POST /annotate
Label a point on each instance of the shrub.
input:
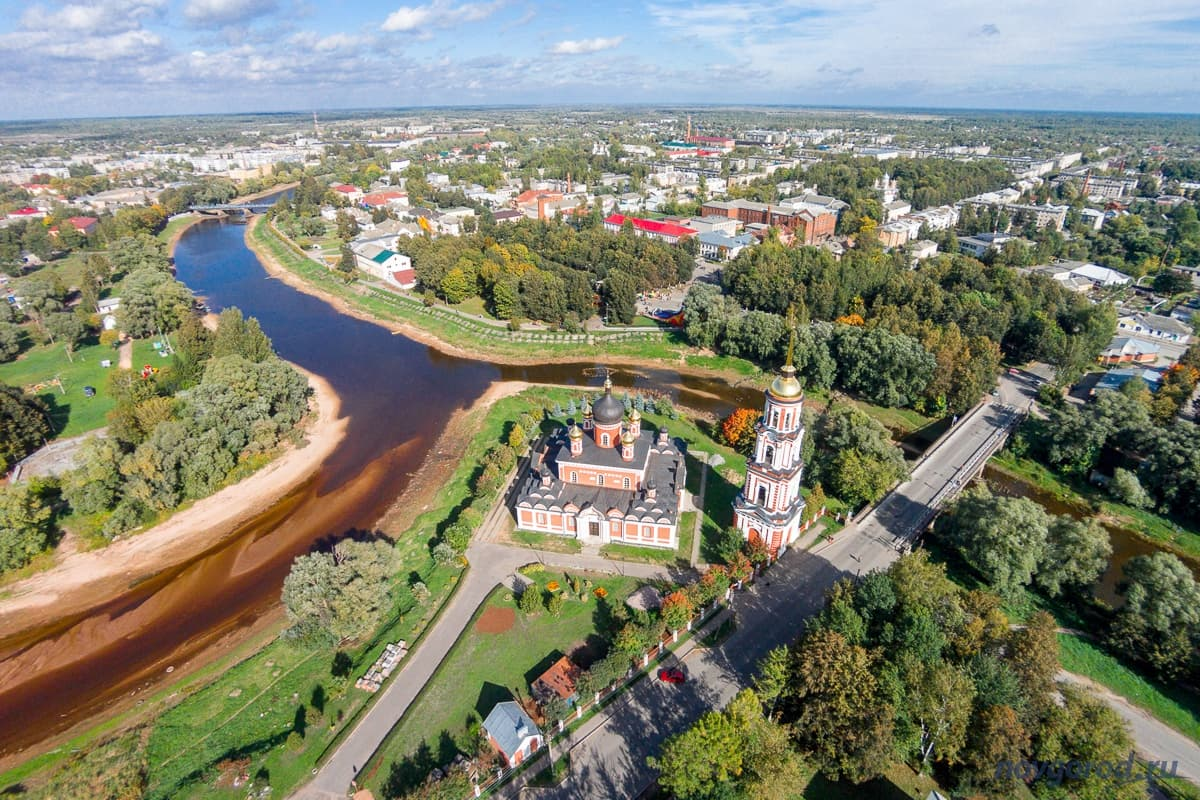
(531, 599)
(555, 603)
(532, 569)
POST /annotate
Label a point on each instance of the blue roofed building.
(720, 247)
(512, 732)
(1114, 379)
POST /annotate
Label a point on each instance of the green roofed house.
(385, 264)
(511, 731)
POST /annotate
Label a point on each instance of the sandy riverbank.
(83, 580)
(419, 334)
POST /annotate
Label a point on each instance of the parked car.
(671, 675)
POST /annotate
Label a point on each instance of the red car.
(671, 675)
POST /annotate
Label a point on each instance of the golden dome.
(575, 433)
(587, 408)
(627, 437)
(634, 416)
(786, 387)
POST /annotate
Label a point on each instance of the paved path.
(491, 565)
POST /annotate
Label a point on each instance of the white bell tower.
(770, 507)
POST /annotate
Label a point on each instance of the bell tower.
(770, 507)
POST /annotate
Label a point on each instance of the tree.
(1033, 656)
(939, 699)
(1170, 282)
(1077, 553)
(997, 737)
(516, 437)
(1002, 538)
(457, 286)
(26, 525)
(237, 335)
(66, 329)
(677, 610)
(700, 762)
(347, 226)
(12, 339)
(1126, 488)
(554, 603)
(94, 484)
(458, 536)
(737, 429)
(340, 594)
(152, 301)
(1085, 729)
(772, 675)
(875, 463)
(24, 425)
(841, 717)
(888, 369)
(1160, 622)
(530, 601)
(619, 293)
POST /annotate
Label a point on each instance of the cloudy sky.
(124, 57)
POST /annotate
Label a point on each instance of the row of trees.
(1121, 429)
(902, 666)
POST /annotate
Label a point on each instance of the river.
(398, 395)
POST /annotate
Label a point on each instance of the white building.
(769, 509)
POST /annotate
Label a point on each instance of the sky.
(136, 57)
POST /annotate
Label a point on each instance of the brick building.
(607, 480)
(809, 226)
(667, 232)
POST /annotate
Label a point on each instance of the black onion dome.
(608, 410)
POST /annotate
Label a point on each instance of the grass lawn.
(1178, 534)
(483, 669)
(71, 413)
(681, 555)
(173, 226)
(1172, 705)
(473, 306)
(547, 541)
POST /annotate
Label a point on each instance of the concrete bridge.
(259, 207)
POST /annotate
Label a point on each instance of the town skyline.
(169, 57)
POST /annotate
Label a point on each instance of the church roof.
(608, 410)
(664, 469)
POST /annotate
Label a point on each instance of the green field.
(483, 669)
(71, 413)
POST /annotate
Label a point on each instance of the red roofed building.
(667, 232)
(351, 193)
(27, 213)
(384, 198)
(85, 225)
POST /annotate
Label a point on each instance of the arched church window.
(770, 454)
(599, 480)
(774, 419)
(625, 483)
(574, 477)
(762, 495)
(604, 440)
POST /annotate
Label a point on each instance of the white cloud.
(576, 47)
(438, 14)
(218, 13)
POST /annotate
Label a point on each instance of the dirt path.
(82, 580)
(125, 355)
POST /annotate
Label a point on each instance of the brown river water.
(398, 395)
